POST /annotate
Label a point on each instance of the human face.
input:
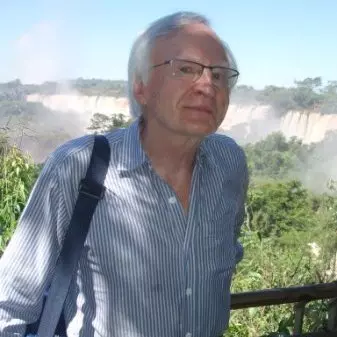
(178, 104)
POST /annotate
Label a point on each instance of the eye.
(187, 69)
(219, 75)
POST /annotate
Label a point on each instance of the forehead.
(196, 42)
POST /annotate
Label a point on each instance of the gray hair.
(139, 60)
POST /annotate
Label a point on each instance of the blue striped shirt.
(148, 269)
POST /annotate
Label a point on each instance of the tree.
(278, 97)
(310, 83)
(276, 207)
(103, 123)
(17, 175)
(278, 158)
(329, 103)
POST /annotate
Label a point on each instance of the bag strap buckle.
(91, 189)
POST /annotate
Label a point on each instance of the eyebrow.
(223, 63)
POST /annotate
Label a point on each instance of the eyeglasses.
(222, 77)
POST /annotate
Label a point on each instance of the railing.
(300, 296)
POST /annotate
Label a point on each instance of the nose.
(206, 76)
(205, 83)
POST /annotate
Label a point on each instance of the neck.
(169, 153)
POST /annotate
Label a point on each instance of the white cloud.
(42, 54)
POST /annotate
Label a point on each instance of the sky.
(275, 42)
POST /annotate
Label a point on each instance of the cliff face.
(84, 106)
(311, 127)
(245, 122)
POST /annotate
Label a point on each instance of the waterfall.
(309, 126)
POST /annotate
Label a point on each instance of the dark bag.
(91, 190)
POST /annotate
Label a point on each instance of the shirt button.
(188, 291)
(172, 200)
(188, 334)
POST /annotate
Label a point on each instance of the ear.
(139, 91)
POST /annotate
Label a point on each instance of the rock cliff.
(244, 122)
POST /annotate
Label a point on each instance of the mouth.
(201, 108)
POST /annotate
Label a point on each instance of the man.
(162, 246)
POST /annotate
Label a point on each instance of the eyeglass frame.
(203, 66)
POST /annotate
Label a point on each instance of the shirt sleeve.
(240, 217)
(30, 257)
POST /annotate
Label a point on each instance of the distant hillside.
(40, 117)
(15, 90)
(309, 94)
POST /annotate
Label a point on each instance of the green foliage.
(284, 219)
(276, 207)
(91, 87)
(274, 263)
(329, 104)
(243, 94)
(12, 91)
(289, 235)
(36, 128)
(277, 158)
(17, 175)
(100, 87)
(280, 98)
(103, 123)
(307, 94)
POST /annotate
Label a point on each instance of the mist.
(48, 110)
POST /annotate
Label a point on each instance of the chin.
(199, 124)
(198, 130)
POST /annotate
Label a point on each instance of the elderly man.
(163, 243)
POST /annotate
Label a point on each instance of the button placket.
(188, 292)
(172, 200)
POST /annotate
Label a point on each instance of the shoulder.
(71, 159)
(79, 149)
(230, 159)
(226, 151)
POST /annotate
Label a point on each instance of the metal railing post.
(299, 309)
(332, 315)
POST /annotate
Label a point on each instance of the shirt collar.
(133, 156)
(206, 153)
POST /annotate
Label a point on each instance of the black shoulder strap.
(91, 190)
